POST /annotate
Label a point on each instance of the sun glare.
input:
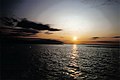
(75, 38)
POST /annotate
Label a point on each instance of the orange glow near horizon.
(75, 39)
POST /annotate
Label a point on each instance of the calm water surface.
(60, 62)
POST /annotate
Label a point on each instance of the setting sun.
(75, 38)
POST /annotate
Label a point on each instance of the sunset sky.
(79, 20)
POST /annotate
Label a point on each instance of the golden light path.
(73, 64)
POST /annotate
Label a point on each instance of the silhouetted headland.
(30, 41)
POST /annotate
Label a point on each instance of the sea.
(59, 62)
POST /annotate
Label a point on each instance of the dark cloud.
(116, 37)
(19, 34)
(94, 38)
(38, 26)
(24, 23)
(25, 30)
(105, 40)
(7, 32)
(4, 28)
(53, 29)
(23, 27)
(8, 21)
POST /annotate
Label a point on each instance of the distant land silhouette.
(30, 41)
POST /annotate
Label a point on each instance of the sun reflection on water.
(74, 51)
(73, 68)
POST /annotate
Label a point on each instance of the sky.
(87, 20)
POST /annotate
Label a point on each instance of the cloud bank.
(23, 27)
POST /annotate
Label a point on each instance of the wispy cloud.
(114, 40)
(96, 38)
